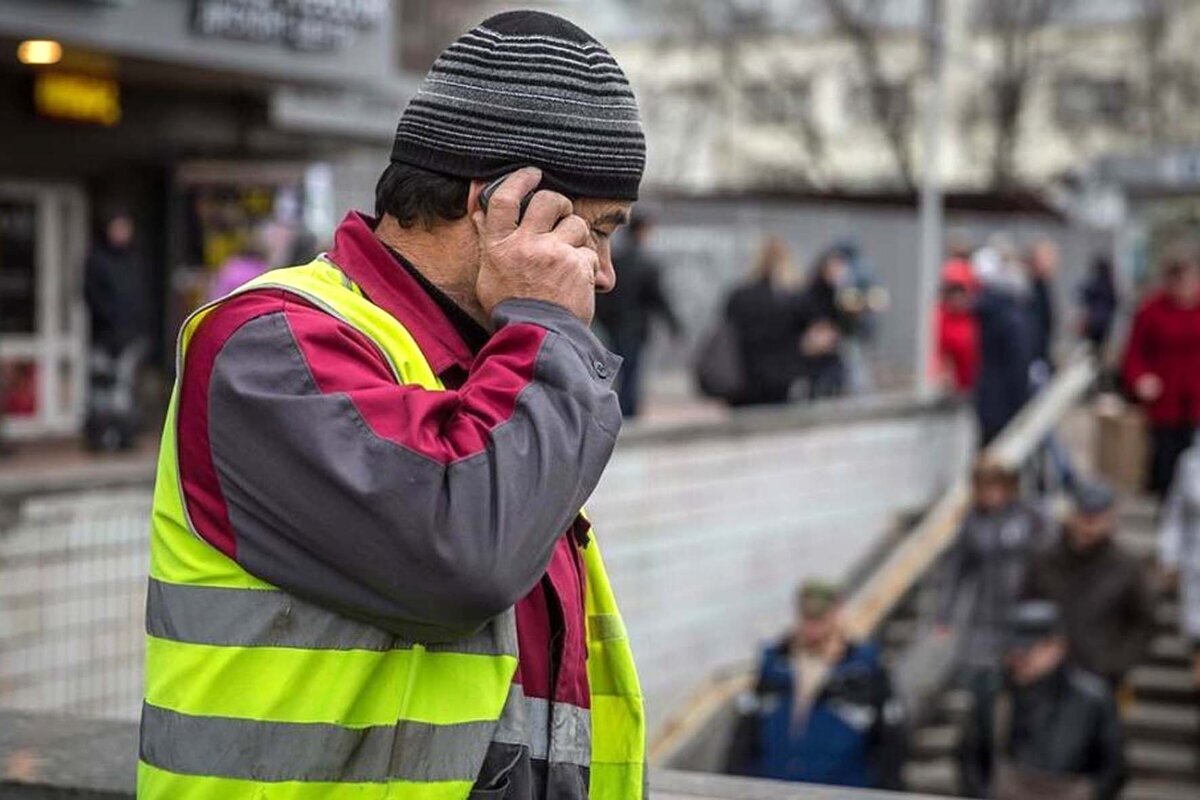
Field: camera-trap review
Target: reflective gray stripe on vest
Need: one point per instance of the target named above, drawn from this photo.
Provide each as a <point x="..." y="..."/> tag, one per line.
<point x="272" y="618"/>
<point x="287" y="751"/>
<point x="559" y="733"/>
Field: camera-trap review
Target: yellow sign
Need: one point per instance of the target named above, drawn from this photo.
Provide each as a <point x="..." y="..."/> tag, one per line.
<point x="78" y="98"/>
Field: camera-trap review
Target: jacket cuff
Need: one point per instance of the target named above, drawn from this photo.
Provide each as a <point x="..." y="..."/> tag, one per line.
<point x="601" y="363"/>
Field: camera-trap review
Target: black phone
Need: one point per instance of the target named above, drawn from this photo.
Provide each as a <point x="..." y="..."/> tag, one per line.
<point x="486" y="195"/>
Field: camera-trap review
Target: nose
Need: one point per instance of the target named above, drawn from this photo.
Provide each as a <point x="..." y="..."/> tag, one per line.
<point x="606" y="274"/>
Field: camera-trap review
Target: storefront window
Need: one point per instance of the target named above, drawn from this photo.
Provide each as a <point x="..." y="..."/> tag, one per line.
<point x="18" y="266"/>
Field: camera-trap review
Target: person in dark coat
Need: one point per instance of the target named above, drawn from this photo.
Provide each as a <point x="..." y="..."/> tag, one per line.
<point x="1162" y="366"/>
<point x="115" y="292"/>
<point x="1041" y="728"/>
<point x="1098" y="301"/>
<point x="845" y="730"/>
<point x="114" y="286"/>
<point x="1006" y="340"/>
<point x="770" y="320"/>
<point x="627" y="311"/>
<point x="1101" y="589"/>
<point x="829" y="319"/>
<point x="1042" y="262"/>
<point x="985" y="568"/>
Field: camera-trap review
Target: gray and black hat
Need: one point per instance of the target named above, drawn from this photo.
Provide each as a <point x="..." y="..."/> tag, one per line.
<point x="526" y="88"/>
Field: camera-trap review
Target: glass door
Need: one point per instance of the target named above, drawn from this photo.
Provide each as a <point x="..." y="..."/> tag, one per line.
<point x="43" y="366"/>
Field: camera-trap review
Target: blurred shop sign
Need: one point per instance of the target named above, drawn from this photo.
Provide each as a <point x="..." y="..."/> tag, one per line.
<point x="302" y="24"/>
<point x="77" y="98"/>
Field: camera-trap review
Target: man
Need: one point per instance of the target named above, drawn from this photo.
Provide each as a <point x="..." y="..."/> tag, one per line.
<point x="1043" y="262"/>
<point x="370" y="575"/>
<point x="1006" y="337"/>
<point x="113" y="289"/>
<point x="627" y="310"/>
<point x="846" y="731"/>
<point x="1102" y="591"/>
<point x="985" y="568"/>
<point x="1041" y="729"/>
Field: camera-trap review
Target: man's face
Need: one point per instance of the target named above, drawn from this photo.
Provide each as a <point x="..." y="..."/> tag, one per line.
<point x="1029" y="663"/>
<point x="120" y="232"/>
<point x="816" y="630"/>
<point x="993" y="494"/>
<point x="1086" y="531"/>
<point x="604" y="218"/>
<point x="1184" y="286"/>
<point x="1045" y="259"/>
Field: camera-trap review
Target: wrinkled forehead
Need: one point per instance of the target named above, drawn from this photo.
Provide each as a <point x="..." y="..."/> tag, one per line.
<point x="598" y="211"/>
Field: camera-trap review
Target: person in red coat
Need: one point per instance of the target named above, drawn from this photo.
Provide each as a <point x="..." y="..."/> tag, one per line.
<point x="957" y="364"/>
<point x="1162" y="367"/>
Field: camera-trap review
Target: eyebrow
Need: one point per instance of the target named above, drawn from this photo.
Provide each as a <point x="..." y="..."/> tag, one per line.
<point x="615" y="217"/>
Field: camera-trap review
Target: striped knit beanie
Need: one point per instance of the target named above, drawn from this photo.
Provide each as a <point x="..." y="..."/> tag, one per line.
<point x="526" y="88"/>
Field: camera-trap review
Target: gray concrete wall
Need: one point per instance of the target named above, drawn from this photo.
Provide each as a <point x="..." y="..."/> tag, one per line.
<point x="706" y="538"/>
<point x="706" y="530"/>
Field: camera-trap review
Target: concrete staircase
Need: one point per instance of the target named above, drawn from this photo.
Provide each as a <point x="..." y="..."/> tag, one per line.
<point x="1162" y="726"/>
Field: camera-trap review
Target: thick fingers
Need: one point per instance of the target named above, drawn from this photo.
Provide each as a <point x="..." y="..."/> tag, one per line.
<point x="545" y="210"/>
<point x="504" y="208"/>
<point x="573" y="231"/>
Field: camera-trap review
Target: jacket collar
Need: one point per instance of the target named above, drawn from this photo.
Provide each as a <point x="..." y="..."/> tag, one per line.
<point x="368" y="263"/>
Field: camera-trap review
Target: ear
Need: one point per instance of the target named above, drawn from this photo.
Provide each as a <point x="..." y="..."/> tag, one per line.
<point x="473" y="197"/>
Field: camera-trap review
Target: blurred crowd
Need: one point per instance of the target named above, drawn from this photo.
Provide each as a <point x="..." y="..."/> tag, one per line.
<point x="1040" y="616"/>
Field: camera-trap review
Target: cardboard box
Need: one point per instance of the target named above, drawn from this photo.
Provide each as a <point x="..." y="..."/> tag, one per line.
<point x="1122" y="449"/>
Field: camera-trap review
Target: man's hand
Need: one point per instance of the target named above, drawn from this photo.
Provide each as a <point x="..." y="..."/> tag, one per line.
<point x="545" y="257"/>
<point x="1148" y="388"/>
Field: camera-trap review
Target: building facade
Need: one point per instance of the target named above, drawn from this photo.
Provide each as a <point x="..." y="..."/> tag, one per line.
<point x="828" y="94"/>
<point x="201" y="118"/>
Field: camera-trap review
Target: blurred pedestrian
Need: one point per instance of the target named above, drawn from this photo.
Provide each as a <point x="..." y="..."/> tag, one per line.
<point x="1043" y="261"/>
<point x="1098" y="304"/>
<point x="957" y="355"/>
<point x="1041" y="729"/>
<point x="1100" y="588"/>
<point x="986" y="566"/>
<point x="1006" y="337"/>
<point x="115" y="293"/>
<point x="247" y="264"/>
<point x="1179" y="550"/>
<point x="831" y="321"/>
<point x="864" y="299"/>
<point x="768" y="317"/>
<point x="627" y="311"/>
<point x="823" y="710"/>
<point x="1162" y="365"/>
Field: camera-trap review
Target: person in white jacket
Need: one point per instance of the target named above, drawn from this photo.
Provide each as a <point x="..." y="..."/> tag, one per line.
<point x="1179" y="547"/>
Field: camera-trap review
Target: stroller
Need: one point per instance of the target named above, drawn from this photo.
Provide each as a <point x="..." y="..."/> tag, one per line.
<point x="112" y="415"/>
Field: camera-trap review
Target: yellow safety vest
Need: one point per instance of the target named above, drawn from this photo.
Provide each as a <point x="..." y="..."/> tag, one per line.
<point x="322" y="706"/>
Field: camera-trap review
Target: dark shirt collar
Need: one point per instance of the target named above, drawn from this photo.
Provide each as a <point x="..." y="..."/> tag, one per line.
<point x="403" y="293"/>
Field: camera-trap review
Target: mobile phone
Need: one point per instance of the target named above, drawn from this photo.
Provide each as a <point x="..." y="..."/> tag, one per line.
<point x="486" y="195"/>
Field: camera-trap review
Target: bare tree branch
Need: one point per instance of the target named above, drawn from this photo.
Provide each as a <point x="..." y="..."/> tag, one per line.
<point x="895" y="120"/>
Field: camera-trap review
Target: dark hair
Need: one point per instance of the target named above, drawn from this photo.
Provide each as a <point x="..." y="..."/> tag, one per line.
<point x="413" y="195"/>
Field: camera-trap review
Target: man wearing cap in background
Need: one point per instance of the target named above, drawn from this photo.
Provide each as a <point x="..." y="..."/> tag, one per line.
<point x="1101" y="589"/>
<point x="1041" y="729"/>
<point x="371" y="576"/>
<point x="823" y="710"/>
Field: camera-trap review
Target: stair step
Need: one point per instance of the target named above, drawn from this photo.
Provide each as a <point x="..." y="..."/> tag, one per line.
<point x="1168" y="684"/>
<point x="935" y="741"/>
<point x="1171" y="649"/>
<point x="1161" y="759"/>
<point x="1159" y="721"/>
<point x="936" y="776"/>
<point x="1161" y="790"/>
